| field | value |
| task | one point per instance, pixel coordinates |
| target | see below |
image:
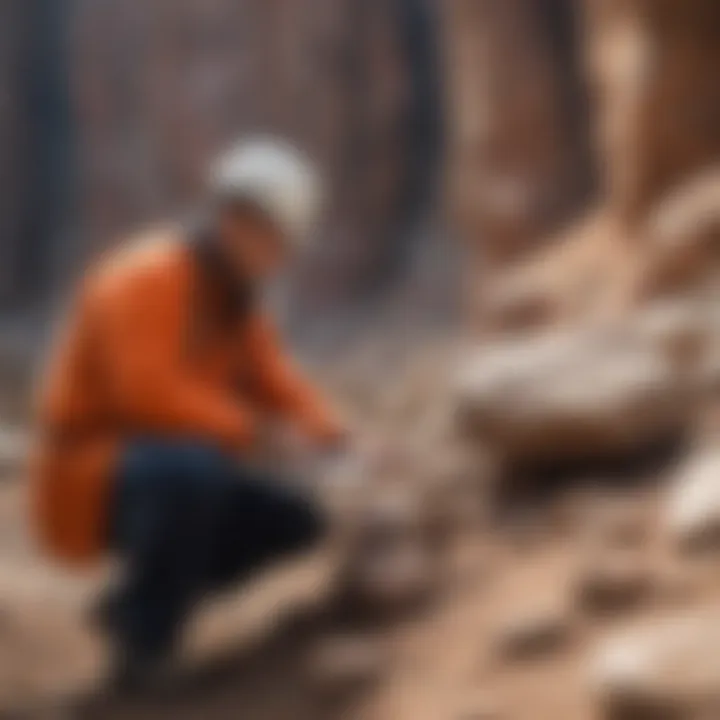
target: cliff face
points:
(519, 151)
(653, 67)
(519, 162)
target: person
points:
(157, 390)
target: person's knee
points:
(198, 461)
(159, 458)
(174, 479)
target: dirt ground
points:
(255, 654)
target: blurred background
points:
(516, 284)
(112, 110)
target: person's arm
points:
(282, 387)
(153, 386)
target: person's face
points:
(251, 243)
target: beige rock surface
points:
(664, 668)
(604, 388)
(693, 503)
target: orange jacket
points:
(135, 360)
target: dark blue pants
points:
(189, 520)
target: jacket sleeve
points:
(153, 386)
(283, 388)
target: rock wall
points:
(653, 68)
(647, 69)
(518, 160)
(647, 251)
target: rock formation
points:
(649, 239)
(654, 106)
(518, 160)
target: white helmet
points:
(277, 178)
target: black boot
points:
(134, 667)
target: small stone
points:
(614, 582)
(343, 664)
(536, 632)
(391, 560)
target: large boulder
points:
(591, 391)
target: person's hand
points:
(293, 444)
(363, 458)
(346, 460)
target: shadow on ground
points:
(271, 680)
